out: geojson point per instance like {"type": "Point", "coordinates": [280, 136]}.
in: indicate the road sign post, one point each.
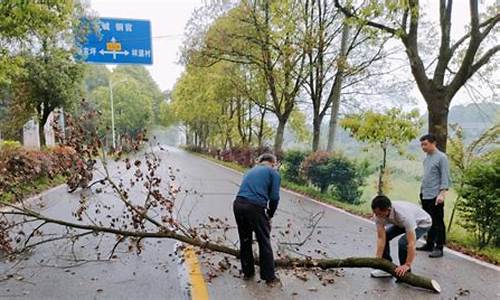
{"type": "Point", "coordinates": [116, 41]}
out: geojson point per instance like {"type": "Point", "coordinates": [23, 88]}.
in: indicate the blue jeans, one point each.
{"type": "Point", "coordinates": [391, 232]}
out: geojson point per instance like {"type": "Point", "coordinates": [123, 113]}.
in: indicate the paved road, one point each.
{"type": "Point", "coordinates": [158, 274]}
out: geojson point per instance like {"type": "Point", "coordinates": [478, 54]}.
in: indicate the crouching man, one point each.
{"type": "Point", "coordinates": [394, 219]}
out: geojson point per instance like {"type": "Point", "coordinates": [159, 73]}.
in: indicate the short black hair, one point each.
{"type": "Point", "coordinates": [269, 157]}
{"type": "Point", "coordinates": [428, 137]}
{"type": "Point", "coordinates": [381, 202]}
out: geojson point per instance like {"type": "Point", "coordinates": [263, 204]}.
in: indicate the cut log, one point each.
{"type": "Point", "coordinates": [362, 262]}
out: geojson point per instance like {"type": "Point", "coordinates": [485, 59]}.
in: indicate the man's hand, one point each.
{"type": "Point", "coordinates": [440, 198]}
{"type": "Point", "coordinates": [401, 270]}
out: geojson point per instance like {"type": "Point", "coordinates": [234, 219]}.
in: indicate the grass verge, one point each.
{"type": "Point", "coordinates": [32, 188]}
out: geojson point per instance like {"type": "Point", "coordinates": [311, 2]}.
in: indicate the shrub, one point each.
{"type": "Point", "coordinates": [345, 176]}
{"type": "Point", "coordinates": [292, 161]}
{"type": "Point", "coordinates": [19, 166]}
{"type": "Point", "coordinates": [315, 169]}
{"type": "Point", "coordinates": [480, 207]}
{"type": "Point", "coordinates": [244, 156]}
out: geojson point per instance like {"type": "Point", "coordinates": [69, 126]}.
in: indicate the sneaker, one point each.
{"type": "Point", "coordinates": [436, 253]}
{"type": "Point", "coordinates": [274, 282]}
{"type": "Point", "coordinates": [380, 274]}
{"type": "Point", "coordinates": [425, 247]}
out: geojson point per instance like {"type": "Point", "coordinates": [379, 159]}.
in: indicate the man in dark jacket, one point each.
{"type": "Point", "coordinates": [255, 205]}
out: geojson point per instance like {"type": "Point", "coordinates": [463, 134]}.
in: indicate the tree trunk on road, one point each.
{"type": "Point", "coordinates": [325, 263]}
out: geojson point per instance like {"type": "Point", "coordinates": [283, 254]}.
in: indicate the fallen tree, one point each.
{"type": "Point", "coordinates": [155, 216]}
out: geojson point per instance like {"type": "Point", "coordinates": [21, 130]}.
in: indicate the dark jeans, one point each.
{"type": "Point", "coordinates": [437, 234]}
{"type": "Point", "coordinates": [391, 232]}
{"type": "Point", "coordinates": [252, 218]}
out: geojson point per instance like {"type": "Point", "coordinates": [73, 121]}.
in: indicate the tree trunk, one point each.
{"type": "Point", "coordinates": [260, 135]}
{"type": "Point", "coordinates": [278, 140]}
{"type": "Point", "coordinates": [316, 133]}
{"type": "Point", "coordinates": [41, 133]}
{"type": "Point", "coordinates": [249, 123]}
{"type": "Point", "coordinates": [337, 89]}
{"type": "Point", "coordinates": [380, 188]}
{"type": "Point", "coordinates": [438, 108]}
{"type": "Point", "coordinates": [188, 136]}
{"type": "Point", "coordinates": [361, 262]}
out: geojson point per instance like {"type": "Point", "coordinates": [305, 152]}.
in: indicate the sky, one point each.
{"type": "Point", "coordinates": [169, 17]}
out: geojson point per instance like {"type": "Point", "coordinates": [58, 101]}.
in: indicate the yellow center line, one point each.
{"type": "Point", "coordinates": [199, 290]}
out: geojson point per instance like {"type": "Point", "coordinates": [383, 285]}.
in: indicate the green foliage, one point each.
{"type": "Point", "coordinates": [462, 155]}
{"type": "Point", "coordinates": [9, 145]}
{"type": "Point", "coordinates": [299, 126]}
{"type": "Point", "coordinates": [133, 108]}
{"type": "Point", "coordinates": [147, 85]}
{"type": "Point", "coordinates": [480, 208]}
{"type": "Point", "coordinates": [53, 80]}
{"type": "Point", "coordinates": [324, 169]}
{"type": "Point", "coordinates": [21, 23]}
{"type": "Point", "coordinates": [95, 76]}
{"type": "Point", "coordinates": [394, 127]}
{"type": "Point", "coordinates": [292, 161]}
{"type": "Point", "coordinates": [36, 58]}
{"type": "Point", "coordinates": [166, 116]}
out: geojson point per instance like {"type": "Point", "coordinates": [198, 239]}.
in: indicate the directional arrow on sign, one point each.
{"type": "Point", "coordinates": [103, 52]}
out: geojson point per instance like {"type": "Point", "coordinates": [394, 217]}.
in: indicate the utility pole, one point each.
{"type": "Point", "coordinates": [112, 112]}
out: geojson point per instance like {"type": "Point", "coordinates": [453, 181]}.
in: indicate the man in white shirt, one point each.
{"type": "Point", "coordinates": [394, 219]}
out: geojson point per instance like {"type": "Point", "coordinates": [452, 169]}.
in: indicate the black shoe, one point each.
{"type": "Point", "coordinates": [425, 247]}
{"type": "Point", "coordinates": [247, 277]}
{"type": "Point", "coordinates": [274, 282]}
{"type": "Point", "coordinates": [436, 253]}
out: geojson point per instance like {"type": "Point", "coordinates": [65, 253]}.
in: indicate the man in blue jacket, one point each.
{"type": "Point", "coordinates": [255, 205]}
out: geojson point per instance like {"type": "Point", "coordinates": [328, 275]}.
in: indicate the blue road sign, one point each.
{"type": "Point", "coordinates": [117, 41]}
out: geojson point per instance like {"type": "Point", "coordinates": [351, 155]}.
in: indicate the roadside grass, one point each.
{"type": "Point", "coordinates": [32, 188]}
{"type": "Point", "coordinates": [404, 186]}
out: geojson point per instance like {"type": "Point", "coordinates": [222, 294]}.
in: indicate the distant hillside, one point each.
{"type": "Point", "coordinates": [474, 118]}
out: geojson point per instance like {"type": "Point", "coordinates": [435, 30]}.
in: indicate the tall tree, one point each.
{"type": "Point", "coordinates": [141, 75]}
{"type": "Point", "coordinates": [21, 22]}
{"type": "Point", "coordinates": [268, 36]}
{"type": "Point", "coordinates": [52, 80]}
{"type": "Point", "coordinates": [469, 53]}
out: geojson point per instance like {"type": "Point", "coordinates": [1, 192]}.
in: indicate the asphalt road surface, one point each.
{"type": "Point", "coordinates": [81, 270]}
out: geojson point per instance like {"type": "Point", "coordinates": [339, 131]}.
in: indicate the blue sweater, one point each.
{"type": "Point", "coordinates": [261, 186]}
